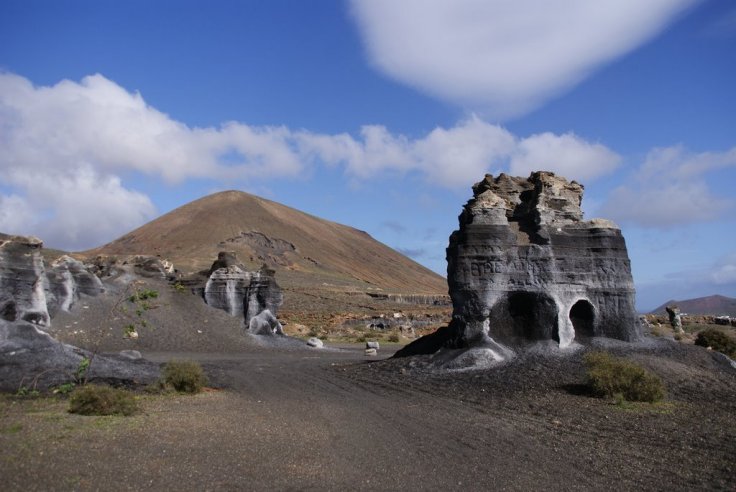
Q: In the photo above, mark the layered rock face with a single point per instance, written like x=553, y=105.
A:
x=31, y=292
x=524, y=266
x=67, y=278
x=22, y=281
x=239, y=292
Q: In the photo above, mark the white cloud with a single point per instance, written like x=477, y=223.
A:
x=726, y=273
x=71, y=208
x=504, y=56
x=670, y=189
x=64, y=149
x=567, y=155
x=459, y=156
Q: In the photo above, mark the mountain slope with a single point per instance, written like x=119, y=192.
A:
x=303, y=249
x=714, y=305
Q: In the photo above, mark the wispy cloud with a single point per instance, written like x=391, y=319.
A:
x=670, y=189
x=412, y=252
x=394, y=226
x=504, y=57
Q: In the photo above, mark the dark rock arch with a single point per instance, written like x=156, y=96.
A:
x=525, y=316
x=582, y=316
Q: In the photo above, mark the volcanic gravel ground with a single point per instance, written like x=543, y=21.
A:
x=327, y=420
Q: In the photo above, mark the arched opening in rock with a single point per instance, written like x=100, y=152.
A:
x=582, y=316
x=534, y=316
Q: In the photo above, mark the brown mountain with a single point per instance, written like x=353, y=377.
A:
x=306, y=251
x=712, y=305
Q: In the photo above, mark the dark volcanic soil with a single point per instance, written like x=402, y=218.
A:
x=320, y=420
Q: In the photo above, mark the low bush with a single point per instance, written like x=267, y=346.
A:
x=184, y=376
x=617, y=378
x=393, y=338
x=717, y=340
x=102, y=400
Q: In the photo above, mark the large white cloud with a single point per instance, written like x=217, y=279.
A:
x=66, y=149
x=671, y=189
x=504, y=56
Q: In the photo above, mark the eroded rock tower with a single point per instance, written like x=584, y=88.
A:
x=524, y=266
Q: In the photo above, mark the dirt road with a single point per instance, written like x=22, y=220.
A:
x=298, y=420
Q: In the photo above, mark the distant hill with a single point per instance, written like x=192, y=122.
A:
x=305, y=251
x=713, y=305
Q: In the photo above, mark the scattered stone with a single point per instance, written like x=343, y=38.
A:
x=407, y=331
x=315, y=342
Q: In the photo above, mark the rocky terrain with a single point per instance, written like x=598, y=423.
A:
x=533, y=289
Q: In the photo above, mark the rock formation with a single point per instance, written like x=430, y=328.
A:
x=525, y=267
x=31, y=292
x=67, y=278
x=239, y=292
x=675, y=318
x=31, y=358
x=22, y=281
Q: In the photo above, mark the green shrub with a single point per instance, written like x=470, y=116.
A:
x=617, y=378
x=393, y=338
x=717, y=340
x=102, y=400
x=143, y=295
x=184, y=376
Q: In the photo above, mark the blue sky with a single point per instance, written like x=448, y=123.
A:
x=379, y=114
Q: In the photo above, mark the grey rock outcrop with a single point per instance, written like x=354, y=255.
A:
x=675, y=318
x=525, y=267
x=32, y=358
x=22, y=281
x=140, y=265
x=242, y=293
x=67, y=279
x=29, y=291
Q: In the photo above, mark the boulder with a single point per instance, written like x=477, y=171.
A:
x=265, y=323
x=371, y=352
x=31, y=358
x=372, y=345
x=315, y=342
x=524, y=267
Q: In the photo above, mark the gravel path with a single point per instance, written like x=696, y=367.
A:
x=320, y=420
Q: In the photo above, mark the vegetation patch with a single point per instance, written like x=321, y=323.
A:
x=717, y=340
x=617, y=378
x=184, y=376
x=94, y=399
